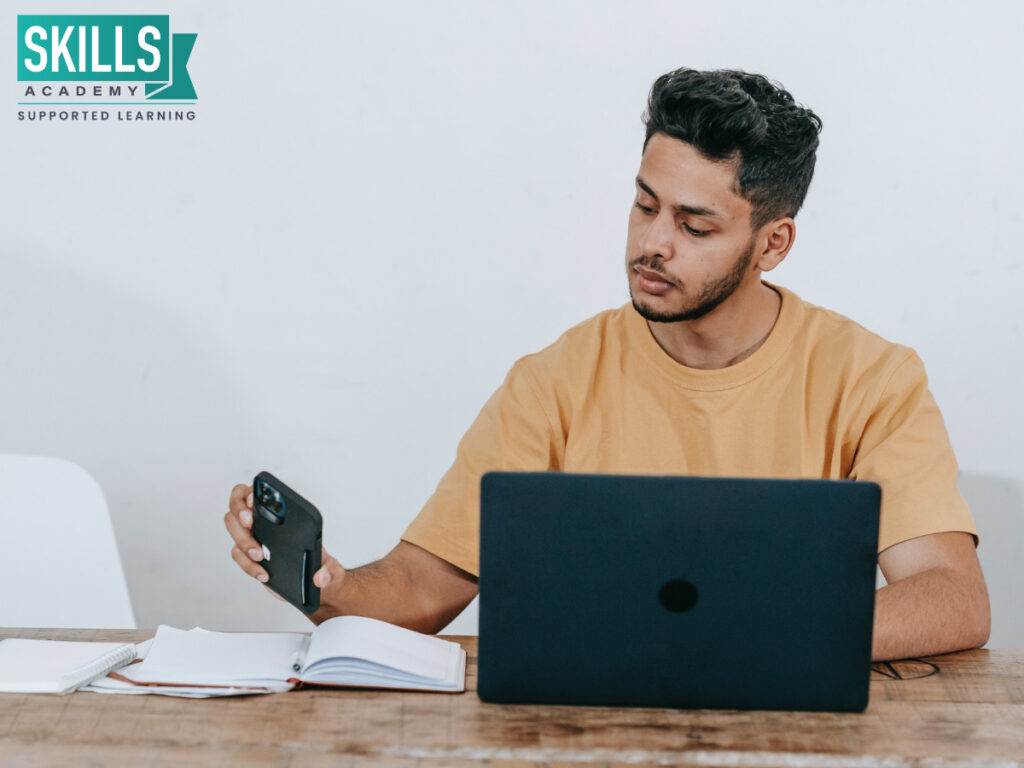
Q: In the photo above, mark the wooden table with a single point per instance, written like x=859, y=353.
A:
x=970, y=714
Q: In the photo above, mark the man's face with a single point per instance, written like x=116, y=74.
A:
x=689, y=244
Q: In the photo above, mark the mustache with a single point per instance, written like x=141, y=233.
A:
x=651, y=264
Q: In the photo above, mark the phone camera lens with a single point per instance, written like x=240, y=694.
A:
x=270, y=504
x=276, y=503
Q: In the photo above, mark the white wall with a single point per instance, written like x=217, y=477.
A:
x=393, y=202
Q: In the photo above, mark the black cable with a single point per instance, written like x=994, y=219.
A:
x=887, y=670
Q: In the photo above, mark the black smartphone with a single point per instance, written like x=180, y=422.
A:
x=290, y=531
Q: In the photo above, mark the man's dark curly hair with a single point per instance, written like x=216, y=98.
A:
x=735, y=116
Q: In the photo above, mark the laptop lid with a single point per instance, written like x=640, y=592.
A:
x=676, y=591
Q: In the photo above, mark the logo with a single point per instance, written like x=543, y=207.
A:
x=74, y=68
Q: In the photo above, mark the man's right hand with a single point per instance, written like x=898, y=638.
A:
x=248, y=553
x=410, y=586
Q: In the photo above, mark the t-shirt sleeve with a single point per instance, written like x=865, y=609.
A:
x=905, y=449
x=515, y=431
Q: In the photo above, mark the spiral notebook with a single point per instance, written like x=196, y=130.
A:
x=57, y=666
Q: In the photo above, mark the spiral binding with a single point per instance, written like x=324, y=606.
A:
x=104, y=665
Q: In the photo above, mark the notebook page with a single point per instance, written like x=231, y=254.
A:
x=201, y=657
x=47, y=666
x=382, y=643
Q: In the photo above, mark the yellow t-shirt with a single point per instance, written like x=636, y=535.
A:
x=821, y=398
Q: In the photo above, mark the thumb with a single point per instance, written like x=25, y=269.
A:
x=331, y=571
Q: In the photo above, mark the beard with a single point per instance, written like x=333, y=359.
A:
x=711, y=295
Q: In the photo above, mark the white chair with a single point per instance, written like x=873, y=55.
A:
x=59, y=565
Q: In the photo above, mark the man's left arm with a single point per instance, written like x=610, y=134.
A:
x=936, y=600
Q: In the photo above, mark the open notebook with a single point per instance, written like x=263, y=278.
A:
x=344, y=651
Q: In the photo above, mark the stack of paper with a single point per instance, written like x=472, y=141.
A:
x=123, y=680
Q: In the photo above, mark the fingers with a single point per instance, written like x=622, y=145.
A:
x=238, y=520
x=241, y=503
x=331, y=571
x=246, y=564
x=243, y=537
x=240, y=494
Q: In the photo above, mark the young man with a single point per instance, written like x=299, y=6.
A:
x=710, y=371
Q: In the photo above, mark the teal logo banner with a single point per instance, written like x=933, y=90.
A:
x=99, y=48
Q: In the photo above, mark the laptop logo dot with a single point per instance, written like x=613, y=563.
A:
x=677, y=595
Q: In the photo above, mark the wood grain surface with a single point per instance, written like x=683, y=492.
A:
x=969, y=714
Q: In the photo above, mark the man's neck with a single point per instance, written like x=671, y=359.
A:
x=729, y=334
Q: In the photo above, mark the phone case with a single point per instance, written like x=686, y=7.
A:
x=290, y=530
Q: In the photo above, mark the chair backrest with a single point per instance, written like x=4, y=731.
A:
x=59, y=565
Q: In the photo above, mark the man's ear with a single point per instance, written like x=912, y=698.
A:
x=774, y=241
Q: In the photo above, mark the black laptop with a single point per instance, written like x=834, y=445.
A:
x=679, y=592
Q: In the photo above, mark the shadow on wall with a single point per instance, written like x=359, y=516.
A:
x=998, y=507
x=134, y=392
